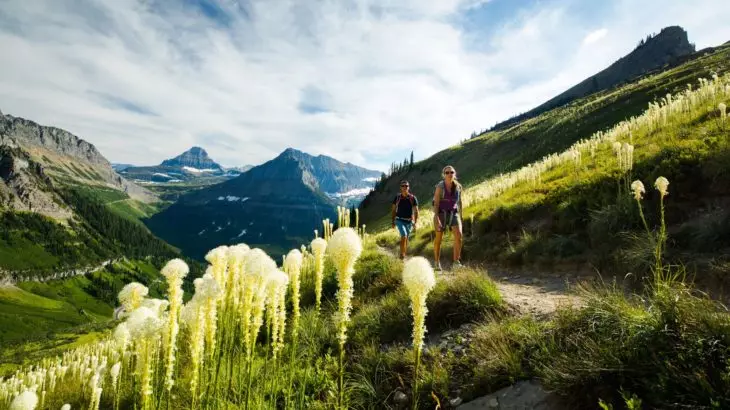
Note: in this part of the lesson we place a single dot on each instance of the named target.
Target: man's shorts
(449, 219)
(404, 227)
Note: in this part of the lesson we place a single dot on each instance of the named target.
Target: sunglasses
(404, 186)
(449, 172)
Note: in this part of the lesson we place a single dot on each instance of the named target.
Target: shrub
(467, 298)
(376, 274)
(674, 347)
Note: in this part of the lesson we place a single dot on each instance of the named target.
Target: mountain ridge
(669, 46)
(275, 205)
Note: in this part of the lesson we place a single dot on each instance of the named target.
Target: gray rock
(400, 397)
(520, 396)
(455, 402)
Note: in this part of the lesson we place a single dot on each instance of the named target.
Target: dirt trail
(537, 294)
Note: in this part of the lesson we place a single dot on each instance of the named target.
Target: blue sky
(364, 81)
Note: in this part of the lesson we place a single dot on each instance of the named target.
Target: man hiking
(404, 215)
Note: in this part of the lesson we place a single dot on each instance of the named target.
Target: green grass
(468, 297)
(132, 210)
(19, 253)
(37, 310)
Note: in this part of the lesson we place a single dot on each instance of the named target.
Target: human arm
(436, 202)
(415, 217)
(392, 216)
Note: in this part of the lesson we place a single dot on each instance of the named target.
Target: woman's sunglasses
(449, 172)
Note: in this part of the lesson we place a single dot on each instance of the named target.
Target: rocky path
(538, 294)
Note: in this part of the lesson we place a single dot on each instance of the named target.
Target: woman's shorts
(404, 227)
(449, 219)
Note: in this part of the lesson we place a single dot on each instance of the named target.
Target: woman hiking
(447, 210)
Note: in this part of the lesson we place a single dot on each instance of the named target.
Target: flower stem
(341, 387)
(415, 378)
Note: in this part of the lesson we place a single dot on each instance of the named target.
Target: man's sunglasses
(404, 186)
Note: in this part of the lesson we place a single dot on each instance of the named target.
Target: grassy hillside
(37, 317)
(576, 207)
(106, 227)
(554, 131)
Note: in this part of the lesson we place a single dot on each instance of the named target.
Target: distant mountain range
(276, 205)
(193, 165)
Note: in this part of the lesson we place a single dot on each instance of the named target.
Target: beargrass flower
(218, 259)
(66, 407)
(258, 266)
(235, 281)
(293, 267)
(27, 400)
(132, 295)
(156, 305)
(344, 248)
(114, 373)
(122, 336)
(319, 246)
(419, 280)
(637, 187)
(661, 184)
(276, 299)
(174, 272)
(723, 110)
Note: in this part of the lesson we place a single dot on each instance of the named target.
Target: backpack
(443, 192)
(410, 198)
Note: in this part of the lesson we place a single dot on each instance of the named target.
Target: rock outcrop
(62, 156)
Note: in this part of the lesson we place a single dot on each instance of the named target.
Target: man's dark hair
(404, 182)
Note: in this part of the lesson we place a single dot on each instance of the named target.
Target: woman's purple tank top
(449, 200)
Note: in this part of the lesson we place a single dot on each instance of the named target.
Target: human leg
(404, 229)
(456, 229)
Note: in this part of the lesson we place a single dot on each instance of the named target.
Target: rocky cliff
(61, 157)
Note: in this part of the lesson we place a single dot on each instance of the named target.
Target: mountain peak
(195, 157)
(670, 46)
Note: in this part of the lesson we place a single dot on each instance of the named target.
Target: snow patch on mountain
(351, 193)
(197, 171)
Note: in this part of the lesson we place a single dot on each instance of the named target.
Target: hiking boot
(437, 266)
(457, 264)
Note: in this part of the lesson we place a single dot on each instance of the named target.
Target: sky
(363, 81)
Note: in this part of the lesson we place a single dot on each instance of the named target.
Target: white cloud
(595, 36)
(146, 80)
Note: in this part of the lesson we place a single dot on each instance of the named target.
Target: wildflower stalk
(661, 185)
(319, 246)
(174, 272)
(344, 249)
(293, 266)
(419, 280)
